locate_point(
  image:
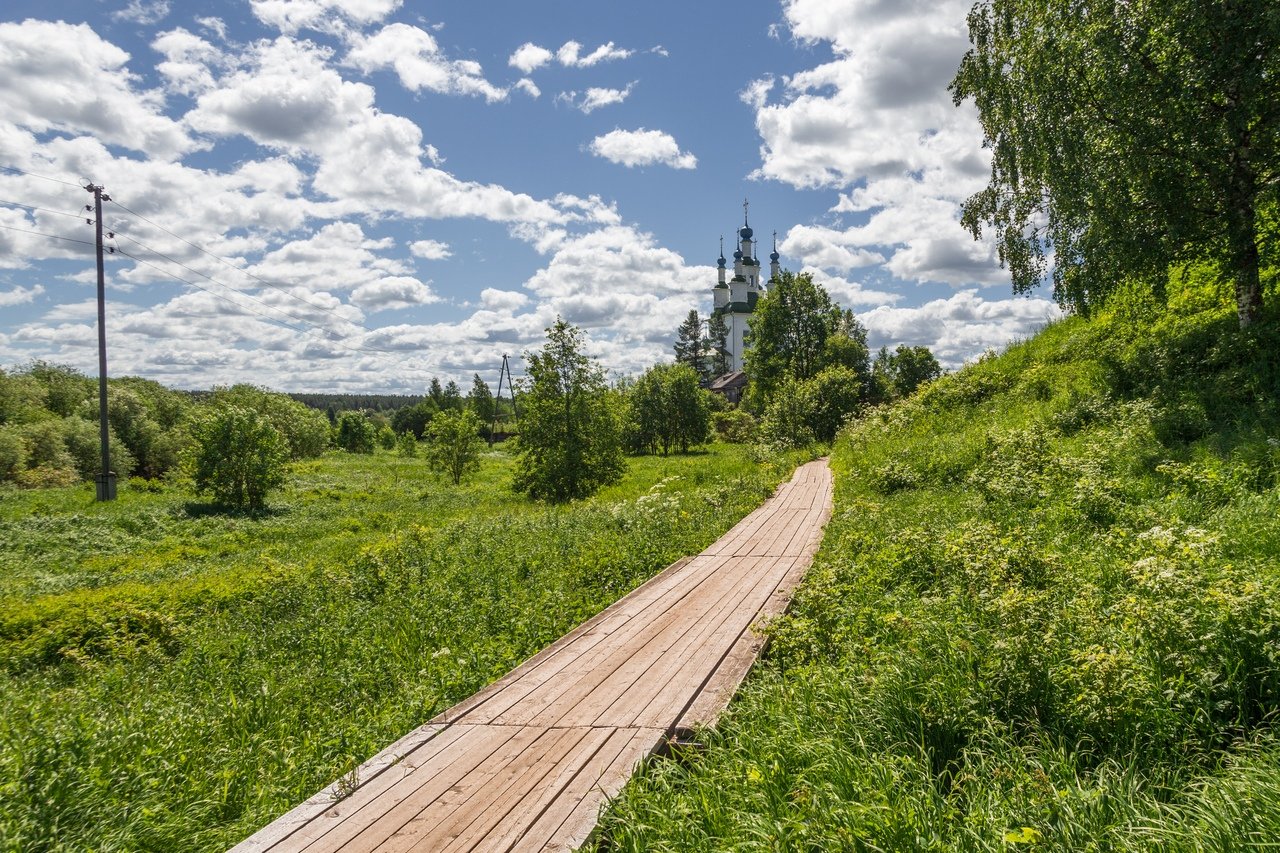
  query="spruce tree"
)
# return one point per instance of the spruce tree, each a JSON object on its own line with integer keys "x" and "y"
{"x": 690, "y": 346}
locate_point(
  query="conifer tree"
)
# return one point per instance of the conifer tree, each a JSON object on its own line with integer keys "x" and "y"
{"x": 690, "y": 346}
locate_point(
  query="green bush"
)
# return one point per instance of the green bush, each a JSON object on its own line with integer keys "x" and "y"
{"x": 453, "y": 443}
{"x": 355, "y": 433}
{"x": 13, "y": 452}
{"x": 735, "y": 426}
{"x": 239, "y": 458}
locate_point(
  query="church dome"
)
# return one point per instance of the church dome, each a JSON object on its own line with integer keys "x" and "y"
{"x": 773, "y": 256}
{"x": 737, "y": 256}
{"x": 720, "y": 261}
{"x": 746, "y": 232}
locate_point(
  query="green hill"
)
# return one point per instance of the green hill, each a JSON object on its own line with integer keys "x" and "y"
{"x": 1046, "y": 614}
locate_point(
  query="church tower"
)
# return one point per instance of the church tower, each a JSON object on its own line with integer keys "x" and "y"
{"x": 736, "y": 298}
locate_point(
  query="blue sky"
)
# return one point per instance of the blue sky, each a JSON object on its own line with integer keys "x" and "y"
{"x": 360, "y": 195}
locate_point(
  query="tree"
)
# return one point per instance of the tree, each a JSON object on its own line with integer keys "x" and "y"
{"x": 786, "y": 420}
{"x": 453, "y": 443}
{"x": 569, "y": 433}
{"x": 481, "y": 402}
{"x": 355, "y": 433}
{"x": 667, "y": 409}
{"x": 436, "y": 393}
{"x": 718, "y": 344}
{"x": 451, "y": 398}
{"x": 414, "y": 418}
{"x": 407, "y": 445}
{"x": 305, "y": 430}
{"x": 239, "y": 457}
{"x": 690, "y": 347}
{"x": 912, "y": 367}
{"x": 1126, "y": 137}
{"x": 789, "y": 332}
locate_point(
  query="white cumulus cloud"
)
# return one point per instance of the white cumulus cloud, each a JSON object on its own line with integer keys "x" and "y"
{"x": 416, "y": 58}
{"x": 642, "y": 148}
{"x": 20, "y": 295}
{"x": 529, "y": 57}
{"x": 431, "y": 250}
{"x": 877, "y": 121}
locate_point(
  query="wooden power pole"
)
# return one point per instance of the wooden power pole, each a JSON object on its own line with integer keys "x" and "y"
{"x": 106, "y": 479}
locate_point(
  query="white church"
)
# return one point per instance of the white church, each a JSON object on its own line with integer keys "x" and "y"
{"x": 735, "y": 299}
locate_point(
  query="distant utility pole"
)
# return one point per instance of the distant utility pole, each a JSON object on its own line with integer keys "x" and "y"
{"x": 106, "y": 479}
{"x": 505, "y": 370}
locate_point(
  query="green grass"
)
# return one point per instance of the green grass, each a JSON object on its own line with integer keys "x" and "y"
{"x": 1046, "y": 615}
{"x": 174, "y": 678}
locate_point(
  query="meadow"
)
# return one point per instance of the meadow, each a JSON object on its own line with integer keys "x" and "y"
{"x": 1046, "y": 615}
{"x": 175, "y": 676}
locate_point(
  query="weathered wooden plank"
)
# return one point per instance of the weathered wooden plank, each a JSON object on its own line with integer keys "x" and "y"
{"x": 536, "y": 798}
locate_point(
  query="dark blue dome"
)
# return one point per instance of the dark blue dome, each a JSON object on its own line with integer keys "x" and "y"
{"x": 721, "y": 260}
{"x": 773, "y": 256}
{"x": 746, "y": 232}
{"x": 737, "y": 256}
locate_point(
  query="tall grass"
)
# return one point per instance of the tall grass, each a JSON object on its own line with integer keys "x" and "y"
{"x": 174, "y": 678}
{"x": 1046, "y": 614}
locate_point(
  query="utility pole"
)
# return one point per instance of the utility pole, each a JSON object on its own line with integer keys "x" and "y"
{"x": 106, "y": 479}
{"x": 505, "y": 370}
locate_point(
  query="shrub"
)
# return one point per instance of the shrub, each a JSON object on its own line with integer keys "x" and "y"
{"x": 407, "y": 445}
{"x": 84, "y": 443}
{"x": 13, "y": 453}
{"x": 786, "y": 421}
{"x": 453, "y": 443}
{"x": 735, "y": 426}
{"x": 667, "y": 410}
{"x": 355, "y": 433}
{"x": 239, "y": 457}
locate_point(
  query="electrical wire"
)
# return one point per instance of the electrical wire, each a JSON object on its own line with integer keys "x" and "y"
{"x": 54, "y": 236}
{"x": 41, "y": 177}
{"x": 43, "y": 209}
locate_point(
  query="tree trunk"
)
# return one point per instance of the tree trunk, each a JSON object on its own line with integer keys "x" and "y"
{"x": 1242, "y": 229}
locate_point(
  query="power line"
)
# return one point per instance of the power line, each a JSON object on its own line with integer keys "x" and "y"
{"x": 42, "y": 234}
{"x": 41, "y": 209}
{"x": 217, "y": 295}
{"x": 41, "y": 177}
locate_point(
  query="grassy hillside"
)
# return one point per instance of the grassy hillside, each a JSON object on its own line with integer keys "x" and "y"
{"x": 1046, "y": 614}
{"x": 172, "y": 677}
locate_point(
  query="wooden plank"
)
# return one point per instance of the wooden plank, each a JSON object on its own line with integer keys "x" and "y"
{"x": 613, "y": 676}
{"x": 547, "y": 702}
{"x": 678, "y": 673}
{"x": 512, "y": 825}
{"x": 397, "y": 803}
{"x": 569, "y": 819}
{"x": 442, "y": 817}
{"x": 577, "y": 827}
{"x": 580, "y": 659}
{"x": 655, "y": 585}
{"x": 662, "y": 701}
{"x": 288, "y": 823}
{"x": 723, "y": 682}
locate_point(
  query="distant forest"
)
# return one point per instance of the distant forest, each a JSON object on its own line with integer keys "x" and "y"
{"x": 359, "y": 402}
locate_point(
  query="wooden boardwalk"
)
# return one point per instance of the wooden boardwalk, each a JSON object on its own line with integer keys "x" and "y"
{"x": 528, "y": 762}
